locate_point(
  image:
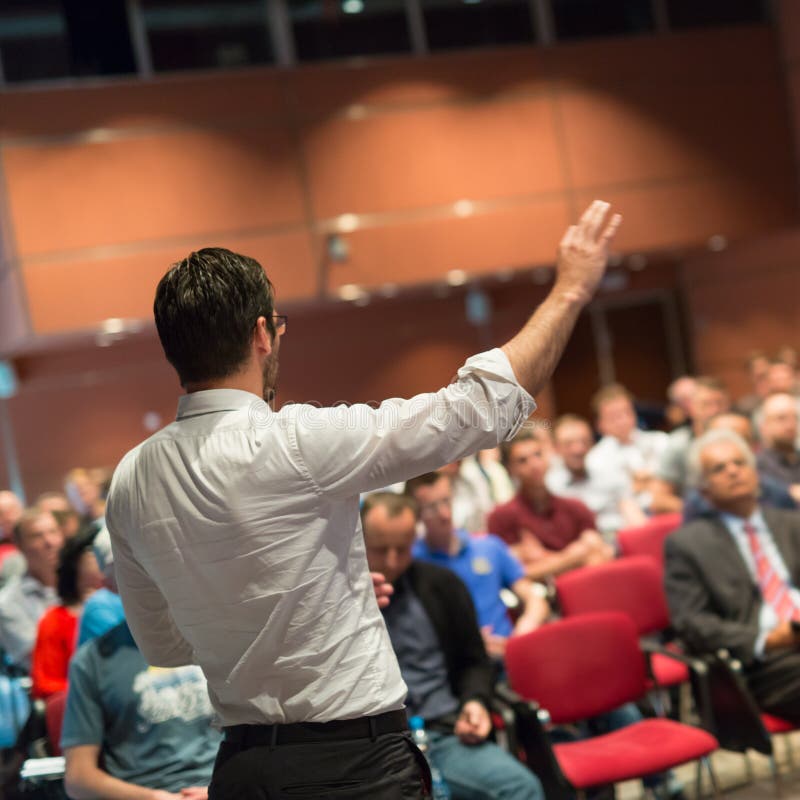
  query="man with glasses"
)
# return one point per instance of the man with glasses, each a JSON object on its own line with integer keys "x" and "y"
{"x": 236, "y": 530}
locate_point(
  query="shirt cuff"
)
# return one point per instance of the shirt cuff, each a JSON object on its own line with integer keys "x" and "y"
{"x": 513, "y": 401}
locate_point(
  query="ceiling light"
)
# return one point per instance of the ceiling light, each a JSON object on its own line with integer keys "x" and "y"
{"x": 352, "y": 6}
{"x": 347, "y": 223}
{"x": 350, "y": 292}
{"x": 457, "y": 277}
{"x": 463, "y": 208}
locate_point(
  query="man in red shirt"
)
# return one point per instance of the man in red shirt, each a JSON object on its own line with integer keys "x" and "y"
{"x": 548, "y": 534}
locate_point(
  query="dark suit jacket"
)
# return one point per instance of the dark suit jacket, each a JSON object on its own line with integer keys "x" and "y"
{"x": 713, "y": 600}
{"x": 447, "y": 602}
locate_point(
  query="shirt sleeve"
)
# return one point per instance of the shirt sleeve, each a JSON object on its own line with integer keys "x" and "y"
{"x": 146, "y": 609}
{"x": 83, "y": 716}
{"x": 17, "y": 632}
{"x": 351, "y": 449}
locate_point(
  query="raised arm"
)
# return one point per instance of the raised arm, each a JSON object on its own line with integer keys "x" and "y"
{"x": 582, "y": 257}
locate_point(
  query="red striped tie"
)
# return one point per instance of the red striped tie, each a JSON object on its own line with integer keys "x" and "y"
{"x": 774, "y": 590}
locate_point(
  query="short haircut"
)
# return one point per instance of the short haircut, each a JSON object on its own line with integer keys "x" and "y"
{"x": 427, "y": 479}
{"x": 711, "y": 383}
{"x": 696, "y": 479}
{"x": 68, "y": 563}
{"x": 206, "y": 308}
{"x": 395, "y": 504}
{"x": 571, "y": 419}
{"x": 529, "y": 432}
{"x": 29, "y": 516}
{"x": 608, "y": 393}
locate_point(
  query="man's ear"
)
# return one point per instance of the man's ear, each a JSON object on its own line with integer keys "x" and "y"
{"x": 262, "y": 339}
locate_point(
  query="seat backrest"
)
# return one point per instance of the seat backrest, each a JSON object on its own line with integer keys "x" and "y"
{"x": 648, "y": 539}
{"x": 632, "y": 586}
{"x": 580, "y": 667}
{"x": 55, "y": 705}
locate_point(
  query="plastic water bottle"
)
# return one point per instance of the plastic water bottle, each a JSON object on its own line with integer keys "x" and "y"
{"x": 439, "y": 789}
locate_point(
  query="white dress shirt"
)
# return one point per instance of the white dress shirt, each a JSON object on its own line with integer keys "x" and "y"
{"x": 238, "y": 546}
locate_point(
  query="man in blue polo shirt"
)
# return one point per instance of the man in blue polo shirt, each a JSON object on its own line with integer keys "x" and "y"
{"x": 484, "y": 564}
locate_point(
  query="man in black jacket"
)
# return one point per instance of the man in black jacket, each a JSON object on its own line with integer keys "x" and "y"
{"x": 732, "y": 575}
{"x": 435, "y": 635}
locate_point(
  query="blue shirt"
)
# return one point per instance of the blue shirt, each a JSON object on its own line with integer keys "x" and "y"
{"x": 102, "y": 612}
{"x": 486, "y": 566}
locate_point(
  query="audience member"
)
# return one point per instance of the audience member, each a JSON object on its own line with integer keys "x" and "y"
{"x": 134, "y": 731}
{"x": 757, "y": 366}
{"x": 484, "y": 563}
{"x": 771, "y": 492}
{"x": 780, "y": 456}
{"x": 606, "y": 494}
{"x": 13, "y": 562}
{"x": 472, "y": 500}
{"x": 68, "y": 518}
{"x": 77, "y": 577}
{"x": 782, "y": 378}
{"x": 10, "y": 512}
{"x": 624, "y": 450}
{"x": 547, "y": 533}
{"x": 25, "y": 598}
{"x": 103, "y": 610}
{"x": 679, "y": 396}
{"x": 434, "y": 631}
{"x": 731, "y": 577}
{"x": 85, "y": 492}
{"x": 668, "y": 487}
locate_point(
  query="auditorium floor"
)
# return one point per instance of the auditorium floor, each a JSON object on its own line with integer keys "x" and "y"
{"x": 732, "y": 776}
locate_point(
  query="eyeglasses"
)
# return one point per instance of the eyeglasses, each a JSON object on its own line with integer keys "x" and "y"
{"x": 429, "y": 509}
{"x": 281, "y": 322}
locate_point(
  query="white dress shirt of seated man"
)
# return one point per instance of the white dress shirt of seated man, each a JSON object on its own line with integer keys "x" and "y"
{"x": 608, "y": 496}
{"x": 25, "y": 598}
{"x": 433, "y": 494}
{"x": 624, "y": 450}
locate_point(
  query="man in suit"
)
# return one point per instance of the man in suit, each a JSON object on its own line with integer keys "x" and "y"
{"x": 732, "y": 575}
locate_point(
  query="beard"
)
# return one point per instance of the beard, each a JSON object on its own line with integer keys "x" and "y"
{"x": 269, "y": 378}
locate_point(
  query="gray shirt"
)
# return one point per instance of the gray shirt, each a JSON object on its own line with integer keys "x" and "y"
{"x": 23, "y": 601}
{"x": 673, "y": 467}
{"x": 153, "y": 726}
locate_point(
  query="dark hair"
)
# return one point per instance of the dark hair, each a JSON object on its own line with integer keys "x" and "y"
{"x": 395, "y": 504}
{"x": 529, "y": 432}
{"x": 206, "y": 307}
{"x": 426, "y": 479}
{"x": 68, "y": 561}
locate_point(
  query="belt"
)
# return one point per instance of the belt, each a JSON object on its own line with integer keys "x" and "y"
{"x": 307, "y": 732}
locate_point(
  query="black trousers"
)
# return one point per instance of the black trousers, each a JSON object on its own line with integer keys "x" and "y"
{"x": 775, "y": 684}
{"x": 388, "y": 767}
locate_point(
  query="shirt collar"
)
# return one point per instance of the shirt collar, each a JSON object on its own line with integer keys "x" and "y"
{"x": 736, "y": 524}
{"x": 212, "y": 401}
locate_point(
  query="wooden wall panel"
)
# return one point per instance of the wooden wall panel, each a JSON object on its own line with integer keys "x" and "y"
{"x": 67, "y": 196}
{"x": 64, "y": 295}
{"x": 421, "y": 251}
{"x": 398, "y": 161}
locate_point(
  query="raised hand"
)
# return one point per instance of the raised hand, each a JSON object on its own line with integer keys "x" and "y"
{"x": 583, "y": 252}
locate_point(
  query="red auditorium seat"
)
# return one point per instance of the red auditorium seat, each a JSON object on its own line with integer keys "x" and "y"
{"x": 648, "y": 539}
{"x": 55, "y": 706}
{"x": 588, "y": 665}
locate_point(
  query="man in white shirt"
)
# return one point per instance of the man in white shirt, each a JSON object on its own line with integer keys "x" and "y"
{"x": 236, "y": 531}
{"x": 624, "y": 452}
{"x": 607, "y": 495}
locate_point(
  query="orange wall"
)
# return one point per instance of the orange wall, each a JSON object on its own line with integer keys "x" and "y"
{"x": 107, "y": 185}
